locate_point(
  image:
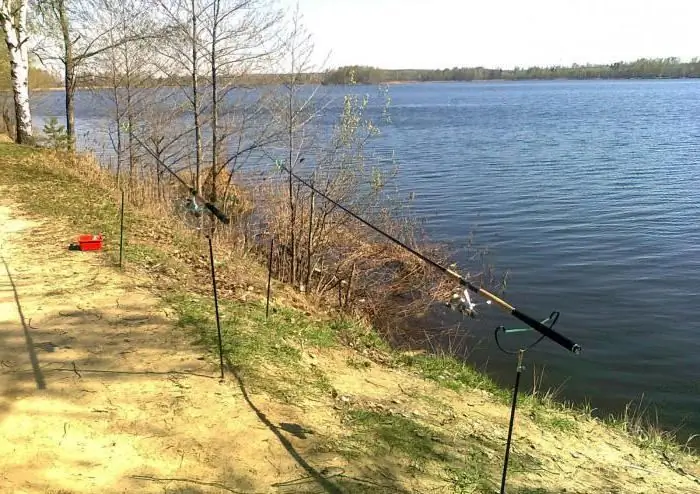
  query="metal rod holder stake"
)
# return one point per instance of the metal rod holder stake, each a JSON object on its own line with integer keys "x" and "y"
{"x": 269, "y": 278}
{"x": 518, "y": 373}
{"x": 216, "y": 306}
{"x": 547, "y": 323}
{"x": 121, "y": 231}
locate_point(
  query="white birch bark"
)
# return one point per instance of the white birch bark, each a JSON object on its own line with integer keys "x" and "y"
{"x": 14, "y": 22}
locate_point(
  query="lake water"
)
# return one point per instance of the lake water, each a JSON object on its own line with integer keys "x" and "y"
{"x": 588, "y": 193}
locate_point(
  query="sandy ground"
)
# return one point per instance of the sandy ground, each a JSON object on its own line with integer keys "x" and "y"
{"x": 100, "y": 394}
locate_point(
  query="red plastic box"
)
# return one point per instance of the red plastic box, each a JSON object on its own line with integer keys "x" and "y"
{"x": 90, "y": 242}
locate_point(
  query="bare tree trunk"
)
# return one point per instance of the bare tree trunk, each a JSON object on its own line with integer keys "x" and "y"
{"x": 129, "y": 117}
{"x": 14, "y": 23}
{"x": 214, "y": 105}
{"x": 117, "y": 119}
{"x": 292, "y": 209}
{"x": 309, "y": 243}
{"x": 69, "y": 68}
{"x": 195, "y": 104}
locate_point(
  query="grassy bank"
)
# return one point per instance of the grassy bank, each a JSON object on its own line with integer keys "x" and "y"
{"x": 399, "y": 422}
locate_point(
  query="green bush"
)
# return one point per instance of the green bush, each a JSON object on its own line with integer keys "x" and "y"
{"x": 55, "y": 134}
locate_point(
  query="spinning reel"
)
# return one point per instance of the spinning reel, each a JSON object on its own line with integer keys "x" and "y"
{"x": 460, "y": 301}
{"x": 190, "y": 210}
{"x": 190, "y": 206}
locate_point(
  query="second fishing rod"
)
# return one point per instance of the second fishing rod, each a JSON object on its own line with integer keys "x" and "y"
{"x": 530, "y": 321}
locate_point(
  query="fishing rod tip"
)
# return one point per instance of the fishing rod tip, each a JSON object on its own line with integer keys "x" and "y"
{"x": 576, "y": 349}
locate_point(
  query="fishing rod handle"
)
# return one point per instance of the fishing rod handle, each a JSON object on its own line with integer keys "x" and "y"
{"x": 548, "y": 332}
{"x": 217, "y": 212}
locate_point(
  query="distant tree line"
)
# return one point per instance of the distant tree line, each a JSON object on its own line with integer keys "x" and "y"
{"x": 103, "y": 79}
{"x": 644, "y": 68}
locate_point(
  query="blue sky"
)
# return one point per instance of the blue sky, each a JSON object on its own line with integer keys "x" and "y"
{"x": 498, "y": 33}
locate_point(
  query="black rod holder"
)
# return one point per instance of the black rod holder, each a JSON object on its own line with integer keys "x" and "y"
{"x": 518, "y": 373}
{"x": 547, "y": 323}
{"x": 121, "y": 231}
{"x": 269, "y": 278}
{"x": 216, "y": 306}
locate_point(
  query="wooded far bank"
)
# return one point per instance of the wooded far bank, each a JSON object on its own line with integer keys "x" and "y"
{"x": 645, "y": 68}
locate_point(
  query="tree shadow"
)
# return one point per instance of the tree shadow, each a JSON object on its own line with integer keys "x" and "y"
{"x": 333, "y": 480}
{"x": 36, "y": 368}
{"x": 296, "y": 430}
{"x": 324, "y": 482}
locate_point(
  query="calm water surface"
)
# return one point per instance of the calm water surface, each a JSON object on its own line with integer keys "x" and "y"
{"x": 588, "y": 192}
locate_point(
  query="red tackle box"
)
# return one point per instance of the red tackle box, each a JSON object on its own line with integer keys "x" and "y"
{"x": 88, "y": 242}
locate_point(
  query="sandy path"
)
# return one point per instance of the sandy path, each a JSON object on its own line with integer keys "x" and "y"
{"x": 100, "y": 394}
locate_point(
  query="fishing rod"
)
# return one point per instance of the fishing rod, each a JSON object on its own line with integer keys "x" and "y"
{"x": 211, "y": 207}
{"x": 533, "y": 323}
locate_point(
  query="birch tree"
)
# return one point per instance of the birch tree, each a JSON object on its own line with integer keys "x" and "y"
{"x": 13, "y": 14}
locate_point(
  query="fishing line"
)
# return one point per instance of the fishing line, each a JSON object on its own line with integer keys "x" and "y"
{"x": 533, "y": 323}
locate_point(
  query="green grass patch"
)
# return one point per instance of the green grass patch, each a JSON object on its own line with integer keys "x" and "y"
{"x": 145, "y": 255}
{"x": 637, "y": 423}
{"x": 11, "y": 150}
{"x": 466, "y": 465}
{"x": 392, "y": 434}
{"x": 550, "y": 419}
{"x": 359, "y": 363}
{"x": 268, "y": 352}
{"x": 359, "y": 336}
{"x": 451, "y": 373}
{"x": 52, "y": 192}
{"x": 474, "y": 476}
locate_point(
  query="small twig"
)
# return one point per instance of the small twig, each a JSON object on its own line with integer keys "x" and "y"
{"x": 191, "y": 481}
{"x": 629, "y": 465}
{"x": 75, "y": 369}
{"x": 375, "y": 384}
{"x": 65, "y": 431}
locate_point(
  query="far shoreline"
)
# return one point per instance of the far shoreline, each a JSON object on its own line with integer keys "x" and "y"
{"x": 403, "y": 83}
